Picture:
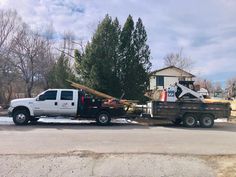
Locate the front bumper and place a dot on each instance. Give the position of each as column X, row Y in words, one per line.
column 10, row 110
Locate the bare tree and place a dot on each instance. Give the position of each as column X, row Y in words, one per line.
column 26, row 48
column 9, row 23
column 46, row 57
column 68, row 43
column 204, row 83
column 178, row 60
column 231, row 87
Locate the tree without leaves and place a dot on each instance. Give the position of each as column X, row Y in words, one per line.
column 231, row 87
column 178, row 60
column 46, row 57
column 26, row 49
column 9, row 23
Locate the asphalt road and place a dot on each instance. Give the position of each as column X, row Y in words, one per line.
column 81, row 148
column 69, row 136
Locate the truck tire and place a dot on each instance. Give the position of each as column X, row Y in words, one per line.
column 103, row 118
column 177, row 121
column 189, row 120
column 206, row 121
column 21, row 117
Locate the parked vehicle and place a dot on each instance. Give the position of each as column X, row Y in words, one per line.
column 63, row 102
column 181, row 103
column 189, row 112
column 178, row 104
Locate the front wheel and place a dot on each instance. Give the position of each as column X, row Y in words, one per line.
column 103, row 118
column 206, row 121
column 21, row 117
column 189, row 120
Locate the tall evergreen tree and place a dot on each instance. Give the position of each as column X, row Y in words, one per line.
column 60, row 73
column 127, row 54
column 142, row 62
column 116, row 60
column 135, row 55
column 99, row 63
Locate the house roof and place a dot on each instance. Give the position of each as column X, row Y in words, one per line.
column 169, row 67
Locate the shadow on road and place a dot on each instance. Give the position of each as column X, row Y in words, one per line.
column 218, row 126
column 71, row 126
column 9, row 126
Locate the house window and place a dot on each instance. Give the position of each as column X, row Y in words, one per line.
column 160, row 81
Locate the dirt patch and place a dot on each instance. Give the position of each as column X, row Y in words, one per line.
column 232, row 119
column 109, row 165
column 224, row 165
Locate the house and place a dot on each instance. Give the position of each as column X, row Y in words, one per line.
column 163, row 78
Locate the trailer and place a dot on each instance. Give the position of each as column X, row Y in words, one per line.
column 188, row 112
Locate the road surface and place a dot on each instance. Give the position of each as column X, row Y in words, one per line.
column 70, row 148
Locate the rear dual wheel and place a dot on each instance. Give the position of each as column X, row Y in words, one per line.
column 103, row 118
column 206, row 121
column 190, row 120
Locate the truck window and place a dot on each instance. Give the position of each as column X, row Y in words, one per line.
column 50, row 95
column 67, row 95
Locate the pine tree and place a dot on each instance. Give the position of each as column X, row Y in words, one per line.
column 60, row 73
column 142, row 59
column 126, row 51
column 99, row 64
column 116, row 60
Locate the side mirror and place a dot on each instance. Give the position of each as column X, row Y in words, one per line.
column 41, row 98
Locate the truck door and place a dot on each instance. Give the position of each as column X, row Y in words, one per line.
column 46, row 104
column 68, row 102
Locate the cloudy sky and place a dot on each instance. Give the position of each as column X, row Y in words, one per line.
column 205, row 29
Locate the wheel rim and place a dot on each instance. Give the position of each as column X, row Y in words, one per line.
column 20, row 118
column 103, row 118
column 190, row 121
column 207, row 121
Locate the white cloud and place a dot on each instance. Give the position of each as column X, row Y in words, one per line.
column 206, row 29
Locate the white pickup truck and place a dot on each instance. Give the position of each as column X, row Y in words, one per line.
column 62, row 102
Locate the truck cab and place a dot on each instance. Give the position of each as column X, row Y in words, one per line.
column 52, row 102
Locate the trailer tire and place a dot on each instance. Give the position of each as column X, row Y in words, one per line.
column 206, row 121
column 103, row 118
column 177, row 121
column 189, row 120
column 21, row 117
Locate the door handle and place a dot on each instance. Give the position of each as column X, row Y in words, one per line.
column 72, row 103
column 55, row 103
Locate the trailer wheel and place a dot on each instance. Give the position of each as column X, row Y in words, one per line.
column 177, row 121
column 103, row 118
column 21, row 117
column 206, row 121
column 189, row 120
